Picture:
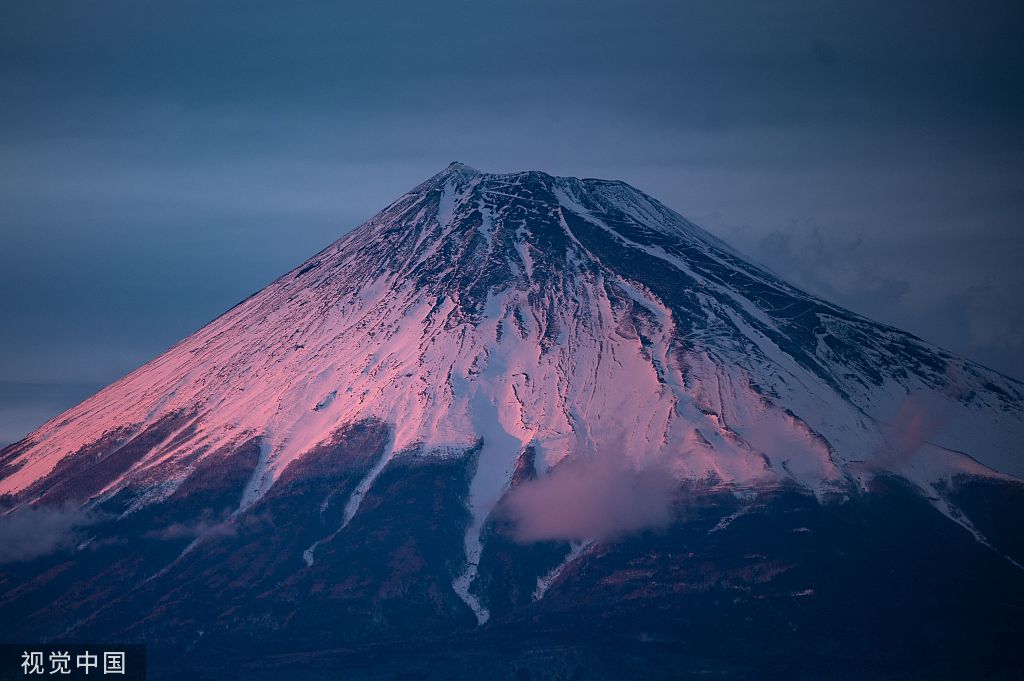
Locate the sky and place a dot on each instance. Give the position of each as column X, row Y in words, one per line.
column 161, row 161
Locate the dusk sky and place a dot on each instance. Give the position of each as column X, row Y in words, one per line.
column 161, row 161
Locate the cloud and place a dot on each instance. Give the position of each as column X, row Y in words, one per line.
column 918, row 419
column 994, row 317
column 823, row 52
column 32, row 532
column 826, row 262
column 945, row 288
column 601, row 496
column 208, row 527
column 197, row 165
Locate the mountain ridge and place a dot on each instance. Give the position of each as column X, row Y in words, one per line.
column 529, row 427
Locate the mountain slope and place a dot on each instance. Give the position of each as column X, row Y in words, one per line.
column 506, row 341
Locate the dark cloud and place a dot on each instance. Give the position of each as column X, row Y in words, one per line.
column 159, row 162
column 995, row 318
column 833, row 265
column 907, row 283
column 823, row 52
column 32, row 532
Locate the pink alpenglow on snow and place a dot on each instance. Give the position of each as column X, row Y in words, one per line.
column 479, row 313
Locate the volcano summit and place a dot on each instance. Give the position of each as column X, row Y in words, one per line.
column 529, row 424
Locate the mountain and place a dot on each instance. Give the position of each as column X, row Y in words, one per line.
column 524, row 424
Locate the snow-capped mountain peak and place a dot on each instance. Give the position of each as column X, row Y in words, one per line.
column 513, row 311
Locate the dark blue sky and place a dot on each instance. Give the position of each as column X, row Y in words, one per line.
column 161, row 161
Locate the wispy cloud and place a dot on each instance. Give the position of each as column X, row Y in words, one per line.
column 210, row 527
column 32, row 532
column 596, row 496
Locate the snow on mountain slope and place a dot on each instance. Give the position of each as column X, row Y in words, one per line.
column 575, row 316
